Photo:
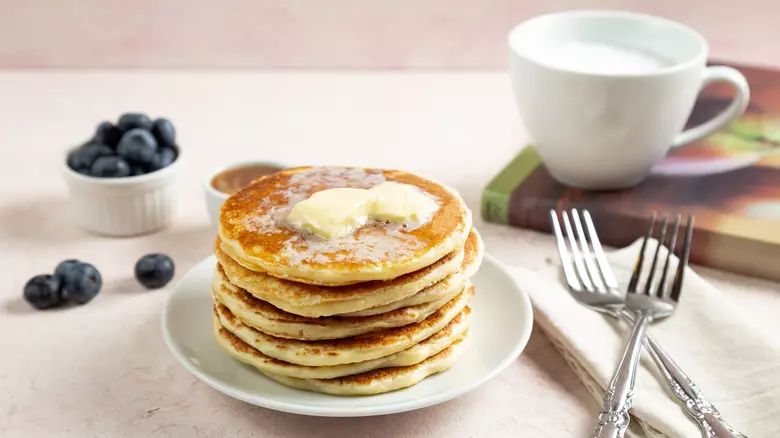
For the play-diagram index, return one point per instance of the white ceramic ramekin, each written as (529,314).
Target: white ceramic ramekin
(215,198)
(123,206)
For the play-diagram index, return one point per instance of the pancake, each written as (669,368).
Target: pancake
(238,349)
(474,252)
(444,290)
(381,380)
(253,229)
(315,301)
(265,317)
(348,350)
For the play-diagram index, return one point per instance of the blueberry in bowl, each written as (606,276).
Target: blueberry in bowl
(108,134)
(164,132)
(129,121)
(82,158)
(136,146)
(121,180)
(110,167)
(164,157)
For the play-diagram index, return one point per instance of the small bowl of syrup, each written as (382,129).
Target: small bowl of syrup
(226,180)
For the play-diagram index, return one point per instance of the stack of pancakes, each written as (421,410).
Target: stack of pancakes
(374,311)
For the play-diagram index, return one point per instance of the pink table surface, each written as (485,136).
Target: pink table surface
(102,369)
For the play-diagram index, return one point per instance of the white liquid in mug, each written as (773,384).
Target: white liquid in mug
(602,59)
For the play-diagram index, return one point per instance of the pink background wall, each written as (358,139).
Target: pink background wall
(329,33)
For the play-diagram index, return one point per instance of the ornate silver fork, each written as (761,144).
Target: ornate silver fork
(592,283)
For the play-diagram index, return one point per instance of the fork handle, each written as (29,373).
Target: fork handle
(614,419)
(696,406)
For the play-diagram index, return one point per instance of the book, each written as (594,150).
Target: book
(729,181)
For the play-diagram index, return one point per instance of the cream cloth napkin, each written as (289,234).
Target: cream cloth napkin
(736,365)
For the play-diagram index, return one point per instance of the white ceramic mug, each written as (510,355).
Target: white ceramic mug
(606,94)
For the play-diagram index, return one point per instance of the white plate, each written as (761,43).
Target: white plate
(501,324)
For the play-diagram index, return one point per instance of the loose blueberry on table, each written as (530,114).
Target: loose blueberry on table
(43,291)
(73,280)
(134,146)
(83,284)
(64,270)
(154,271)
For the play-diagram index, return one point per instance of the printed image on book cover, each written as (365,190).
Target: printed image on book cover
(730,181)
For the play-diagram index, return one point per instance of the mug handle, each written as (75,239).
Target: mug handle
(734,110)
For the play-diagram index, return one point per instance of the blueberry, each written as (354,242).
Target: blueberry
(130,121)
(163,158)
(107,134)
(43,291)
(154,271)
(110,167)
(81,159)
(164,132)
(137,170)
(64,269)
(137,146)
(83,283)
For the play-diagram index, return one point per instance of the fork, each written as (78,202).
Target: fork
(602,295)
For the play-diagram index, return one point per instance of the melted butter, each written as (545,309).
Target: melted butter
(333,212)
(337,212)
(401,203)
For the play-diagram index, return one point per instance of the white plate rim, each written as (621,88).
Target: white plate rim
(354,411)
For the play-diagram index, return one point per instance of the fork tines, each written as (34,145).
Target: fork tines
(586,268)
(584,265)
(661,286)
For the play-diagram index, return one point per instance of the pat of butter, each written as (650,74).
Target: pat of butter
(334,212)
(401,203)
